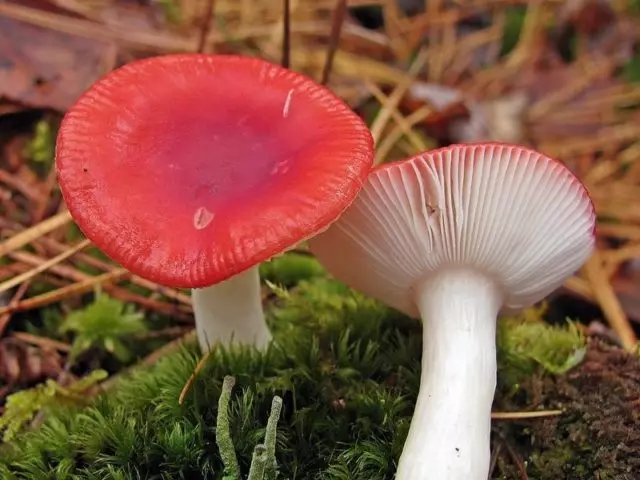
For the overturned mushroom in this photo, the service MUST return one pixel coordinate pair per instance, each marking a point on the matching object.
(190, 170)
(452, 236)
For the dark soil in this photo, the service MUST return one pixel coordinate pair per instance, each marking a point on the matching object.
(598, 436)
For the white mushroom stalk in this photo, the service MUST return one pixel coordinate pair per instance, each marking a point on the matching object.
(449, 433)
(230, 312)
(452, 237)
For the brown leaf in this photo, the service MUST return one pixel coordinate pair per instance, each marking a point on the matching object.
(25, 364)
(48, 69)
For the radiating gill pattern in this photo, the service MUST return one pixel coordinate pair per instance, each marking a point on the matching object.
(512, 213)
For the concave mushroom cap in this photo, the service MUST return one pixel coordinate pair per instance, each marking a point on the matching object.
(516, 215)
(188, 169)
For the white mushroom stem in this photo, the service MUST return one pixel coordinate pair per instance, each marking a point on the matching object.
(450, 430)
(231, 312)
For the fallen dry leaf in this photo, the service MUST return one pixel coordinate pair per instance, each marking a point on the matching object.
(48, 69)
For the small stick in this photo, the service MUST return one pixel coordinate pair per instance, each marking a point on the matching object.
(206, 25)
(286, 34)
(339, 15)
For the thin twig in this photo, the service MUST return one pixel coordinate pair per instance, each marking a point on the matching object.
(206, 25)
(286, 34)
(339, 15)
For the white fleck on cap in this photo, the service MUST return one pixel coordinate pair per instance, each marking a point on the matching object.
(511, 213)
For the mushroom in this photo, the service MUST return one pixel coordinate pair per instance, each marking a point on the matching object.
(191, 169)
(453, 236)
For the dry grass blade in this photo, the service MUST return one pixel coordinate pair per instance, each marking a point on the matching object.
(33, 233)
(525, 415)
(406, 127)
(394, 136)
(580, 287)
(44, 266)
(396, 96)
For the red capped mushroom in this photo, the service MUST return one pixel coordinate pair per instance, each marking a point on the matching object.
(453, 236)
(190, 170)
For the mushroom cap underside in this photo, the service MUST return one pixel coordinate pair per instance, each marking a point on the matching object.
(514, 214)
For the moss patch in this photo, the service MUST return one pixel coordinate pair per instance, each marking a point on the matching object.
(348, 371)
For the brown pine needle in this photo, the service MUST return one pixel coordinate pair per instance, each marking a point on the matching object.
(337, 22)
(29, 274)
(417, 143)
(42, 342)
(192, 377)
(33, 233)
(173, 294)
(605, 295)
(66, 292)
(382, 119)
(525, 415)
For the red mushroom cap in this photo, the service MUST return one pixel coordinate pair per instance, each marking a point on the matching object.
(188, 169)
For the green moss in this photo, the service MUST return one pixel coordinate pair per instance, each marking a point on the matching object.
(290, 269)
(528, 345)
(631, 70)
(347, 369)
(512, 28)
(41, 149)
